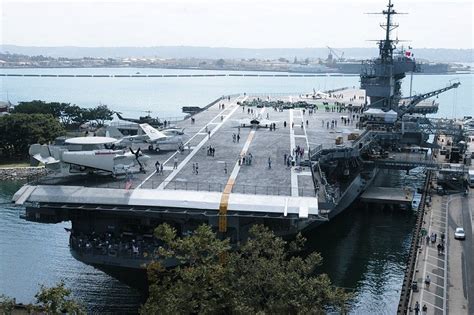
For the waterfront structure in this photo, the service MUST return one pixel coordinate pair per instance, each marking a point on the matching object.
(316, 158)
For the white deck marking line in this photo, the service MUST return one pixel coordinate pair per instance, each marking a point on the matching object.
(433, 274)
(431, 256)
(304, 129)
(190, 139)
(427, 262)
(294, 177)
(434, 294)
(433, 283)
(196, 149)
(433, 305)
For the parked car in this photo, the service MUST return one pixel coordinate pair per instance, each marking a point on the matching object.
(459, 234)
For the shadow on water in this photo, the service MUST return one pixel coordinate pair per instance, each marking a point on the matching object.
(34, 253)
(365, 250)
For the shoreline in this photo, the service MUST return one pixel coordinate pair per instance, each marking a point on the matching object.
(22, 172)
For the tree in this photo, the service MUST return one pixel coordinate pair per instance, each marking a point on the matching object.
(19, 131)
(198, 284)
(220, 62)
(55, 300)
(54, 109)
(265, 275)
(98, 114)
(7, 304)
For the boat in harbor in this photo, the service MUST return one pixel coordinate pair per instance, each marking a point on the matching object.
(320, 152)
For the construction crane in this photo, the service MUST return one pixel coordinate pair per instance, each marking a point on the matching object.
(410, 106)
(334, 52)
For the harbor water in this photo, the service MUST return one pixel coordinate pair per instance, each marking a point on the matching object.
(364, 250)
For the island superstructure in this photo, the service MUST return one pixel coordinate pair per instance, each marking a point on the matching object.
(318, 154)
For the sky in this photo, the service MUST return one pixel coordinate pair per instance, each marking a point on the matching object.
(232, 23)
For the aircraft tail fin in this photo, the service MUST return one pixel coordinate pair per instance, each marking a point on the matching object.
(152, 133)
(41, 153)
(113, 132)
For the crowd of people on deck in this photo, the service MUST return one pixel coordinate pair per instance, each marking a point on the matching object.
(124, 245)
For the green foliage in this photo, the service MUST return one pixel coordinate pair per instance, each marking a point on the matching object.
(18, 131)
(262, 276)
(51, 301)
(54, 109)
(7, 304)
(55, 300)
(98, 114)
(65, 112)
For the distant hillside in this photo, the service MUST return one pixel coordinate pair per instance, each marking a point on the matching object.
(432, 54)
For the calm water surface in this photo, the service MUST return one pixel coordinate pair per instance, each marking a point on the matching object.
(364, 249)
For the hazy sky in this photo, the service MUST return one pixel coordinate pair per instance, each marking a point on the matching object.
(234, 23)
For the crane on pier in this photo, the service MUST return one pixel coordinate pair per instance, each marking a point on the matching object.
(413, 101)
(334, 52)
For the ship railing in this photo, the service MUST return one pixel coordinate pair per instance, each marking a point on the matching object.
(127, 184)
(120, 249)
(270, 190)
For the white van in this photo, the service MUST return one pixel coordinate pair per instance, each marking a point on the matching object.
(471, 178)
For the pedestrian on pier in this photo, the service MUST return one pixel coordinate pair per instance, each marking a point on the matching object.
(427, 240)
(175, 164)
(417, 308)
(424, 310)
(427, 281)
(157, 166)
(285, 158)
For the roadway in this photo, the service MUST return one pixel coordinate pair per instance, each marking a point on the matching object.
(452, 273)
(460, 253)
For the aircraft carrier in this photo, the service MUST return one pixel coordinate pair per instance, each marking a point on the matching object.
(298, 161)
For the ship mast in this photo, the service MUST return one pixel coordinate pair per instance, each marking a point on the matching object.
(386, 46)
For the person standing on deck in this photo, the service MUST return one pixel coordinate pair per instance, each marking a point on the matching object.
(175, 165)
(269, 163)
(197, 168)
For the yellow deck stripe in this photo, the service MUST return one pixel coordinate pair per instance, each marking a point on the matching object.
(224, 204)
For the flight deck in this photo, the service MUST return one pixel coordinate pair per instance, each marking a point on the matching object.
(227, 164)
